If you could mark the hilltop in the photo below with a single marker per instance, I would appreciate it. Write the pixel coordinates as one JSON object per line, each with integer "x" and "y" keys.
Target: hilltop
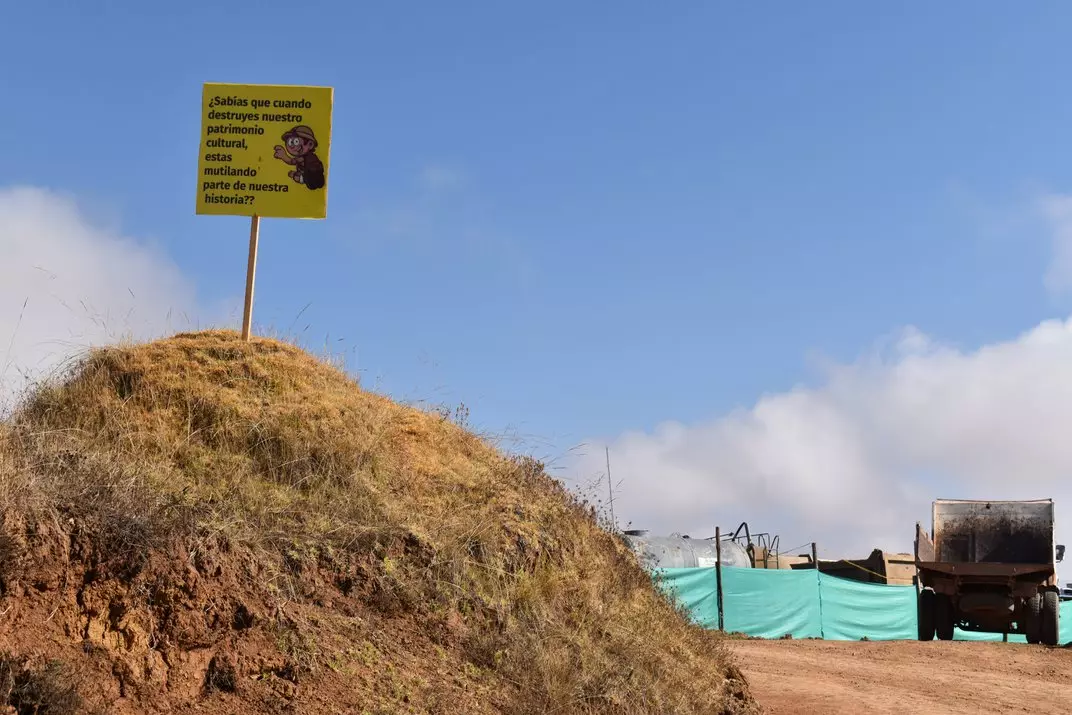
{"x": 205, "y": 523}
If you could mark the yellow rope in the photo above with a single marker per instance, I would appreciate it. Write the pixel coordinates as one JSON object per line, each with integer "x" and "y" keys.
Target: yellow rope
{"x": 850, "y": 563}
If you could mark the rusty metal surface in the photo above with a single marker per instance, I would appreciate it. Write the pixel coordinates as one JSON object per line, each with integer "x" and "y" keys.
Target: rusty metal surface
{"x": 966, "y": 568}
{"x": 924, "y": 545}
{"x": 995, "y": 532}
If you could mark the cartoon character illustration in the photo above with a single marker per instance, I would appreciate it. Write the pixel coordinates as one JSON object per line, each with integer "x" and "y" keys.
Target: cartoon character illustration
{"x": 299, "y": 150}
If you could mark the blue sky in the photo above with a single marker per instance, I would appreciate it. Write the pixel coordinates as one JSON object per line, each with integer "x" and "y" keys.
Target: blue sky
{"x": 584, "y": 221}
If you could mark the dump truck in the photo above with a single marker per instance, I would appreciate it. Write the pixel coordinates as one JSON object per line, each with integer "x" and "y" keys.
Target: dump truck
{"x": 989, "y": 566}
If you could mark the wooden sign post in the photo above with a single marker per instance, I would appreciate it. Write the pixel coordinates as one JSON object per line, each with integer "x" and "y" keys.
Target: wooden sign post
{"x": 251, "y": 272}
{"x": 264, "y": 153}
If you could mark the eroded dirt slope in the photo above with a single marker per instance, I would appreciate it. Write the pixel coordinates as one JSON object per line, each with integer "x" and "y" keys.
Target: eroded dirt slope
{"x": 201, "y": 522}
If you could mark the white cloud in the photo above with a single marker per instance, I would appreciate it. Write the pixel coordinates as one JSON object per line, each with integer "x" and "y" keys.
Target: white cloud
{"x": 853, "y": 463}
{"x": 66, "y": 284}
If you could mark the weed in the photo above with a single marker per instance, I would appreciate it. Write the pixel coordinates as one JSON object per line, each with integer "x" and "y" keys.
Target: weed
{"x": 221, "y": 674}
{"x": 301, "y": 649}
{"x": 49, "y": 690}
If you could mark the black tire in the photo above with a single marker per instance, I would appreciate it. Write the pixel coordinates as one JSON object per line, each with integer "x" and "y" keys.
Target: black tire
{"x": 925, "y": 614}
{"x": 1050, "y": 626}
{"x": 943, "y": 616}
{"x": 1033, "y": 618}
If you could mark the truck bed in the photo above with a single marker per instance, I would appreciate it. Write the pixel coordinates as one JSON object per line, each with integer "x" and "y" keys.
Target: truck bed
{"x": 985, "y": 570}
{"x": 988, "y": 537}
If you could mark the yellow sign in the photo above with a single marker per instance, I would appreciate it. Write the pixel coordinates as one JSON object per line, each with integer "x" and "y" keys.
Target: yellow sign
{"x": 264, "y": 150}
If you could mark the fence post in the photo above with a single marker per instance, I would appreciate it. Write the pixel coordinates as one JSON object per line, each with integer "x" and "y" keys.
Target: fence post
{"x": 818, "y": 586}
{"x": 718, "y": 574}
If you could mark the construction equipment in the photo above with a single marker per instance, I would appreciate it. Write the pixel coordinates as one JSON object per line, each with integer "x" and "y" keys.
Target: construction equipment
{"x": 989, "y": 566}
{"x": 758, "y": 550}
{"x": 677, "y": 551}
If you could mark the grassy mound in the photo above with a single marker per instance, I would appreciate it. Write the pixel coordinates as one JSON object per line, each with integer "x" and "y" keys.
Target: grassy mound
{"x": 205, "y": 520}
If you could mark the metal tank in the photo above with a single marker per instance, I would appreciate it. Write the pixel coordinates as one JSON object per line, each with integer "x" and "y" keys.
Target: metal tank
{"x": 677, "y": 551}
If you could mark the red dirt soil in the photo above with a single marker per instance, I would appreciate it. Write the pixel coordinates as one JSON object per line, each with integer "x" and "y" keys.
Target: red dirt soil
{"x": 796, "y": 677}
{"x": 208, "y": 617}
{"x": 202, "y": 524}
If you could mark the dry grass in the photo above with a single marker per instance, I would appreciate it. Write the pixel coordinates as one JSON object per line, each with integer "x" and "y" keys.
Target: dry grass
{"x": 260, "y": 446}
{"x": 49, "y": 689}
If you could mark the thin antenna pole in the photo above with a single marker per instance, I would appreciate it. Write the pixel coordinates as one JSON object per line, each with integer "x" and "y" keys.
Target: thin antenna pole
{"x": 610, "y": 490}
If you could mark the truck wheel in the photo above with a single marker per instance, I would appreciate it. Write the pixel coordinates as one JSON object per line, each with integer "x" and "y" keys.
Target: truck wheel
{"x": 943, "y": 616}
{"x": 1050, "y": 626}
{"x": 925, "y": 614}
{"x": 1033, "y": 618}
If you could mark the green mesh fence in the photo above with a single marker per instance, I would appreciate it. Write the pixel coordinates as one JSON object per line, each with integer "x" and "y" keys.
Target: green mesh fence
{"x": 773, "y": 603}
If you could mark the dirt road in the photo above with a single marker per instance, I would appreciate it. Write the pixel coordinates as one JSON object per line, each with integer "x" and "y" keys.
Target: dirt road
{"x": 797, "y": 677}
